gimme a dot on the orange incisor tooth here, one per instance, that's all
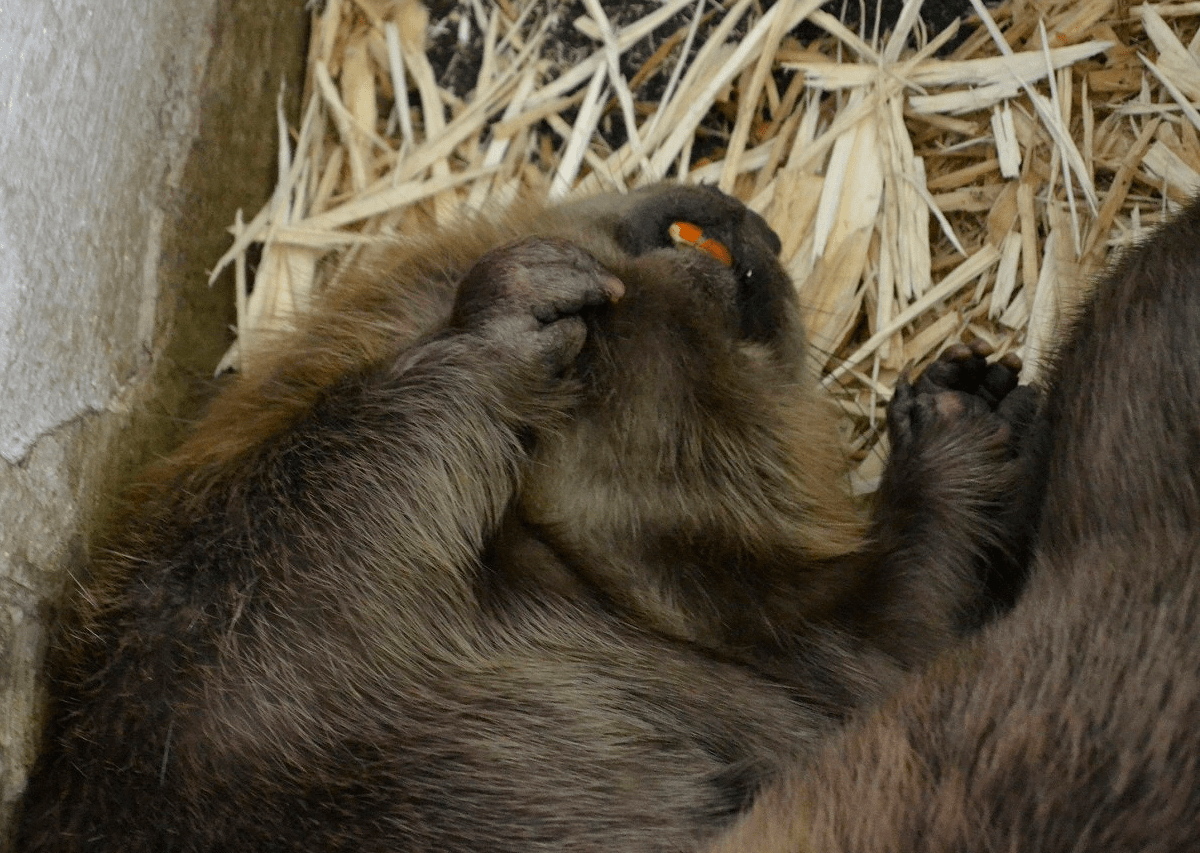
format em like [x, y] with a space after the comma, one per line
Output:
[687, 234]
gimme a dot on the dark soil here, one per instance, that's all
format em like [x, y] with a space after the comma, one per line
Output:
[456, 62]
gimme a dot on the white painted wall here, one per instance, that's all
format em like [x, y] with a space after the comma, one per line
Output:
[93, 117]
[103, 107]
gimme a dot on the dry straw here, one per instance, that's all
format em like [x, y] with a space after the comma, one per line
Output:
[924, 194]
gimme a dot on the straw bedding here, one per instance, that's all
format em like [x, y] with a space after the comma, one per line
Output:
[928, 186]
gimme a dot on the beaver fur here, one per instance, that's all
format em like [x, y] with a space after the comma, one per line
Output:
[535, 535]
[1071, 723]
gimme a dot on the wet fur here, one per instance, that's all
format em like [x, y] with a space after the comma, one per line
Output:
[412, 586]
[1071, 724]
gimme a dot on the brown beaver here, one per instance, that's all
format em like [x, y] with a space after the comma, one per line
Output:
[1071, 724]
[534, 536]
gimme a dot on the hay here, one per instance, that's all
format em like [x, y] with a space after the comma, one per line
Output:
[922, 195]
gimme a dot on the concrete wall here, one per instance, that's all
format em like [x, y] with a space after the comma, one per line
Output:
[130, 131]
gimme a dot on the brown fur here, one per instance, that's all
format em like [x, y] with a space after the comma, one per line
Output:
[442, 574]
[1072, 723]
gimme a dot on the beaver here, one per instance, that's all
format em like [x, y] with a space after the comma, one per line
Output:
[535, 534]
[1070, 723]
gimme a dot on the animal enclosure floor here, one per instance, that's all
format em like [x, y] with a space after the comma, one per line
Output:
[928, 186]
